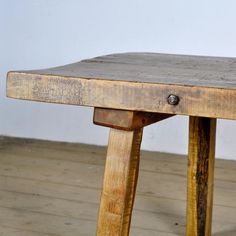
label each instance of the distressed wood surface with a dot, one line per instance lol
(120, 180)
(122, 167)
(206, 86)
(202, 132)
(53, 188)
(216, 72)
(126, 120)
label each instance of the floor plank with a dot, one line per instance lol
(51, 188)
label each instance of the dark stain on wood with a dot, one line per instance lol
(202, 173)
(202, 132)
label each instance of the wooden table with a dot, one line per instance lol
(129, 91)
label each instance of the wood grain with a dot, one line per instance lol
(202, 133)
(124, 95)
(47, 184)
(126, 120)
(122, 167)
(218, 72)
(141, 83)
(206, 86)
(120, 180)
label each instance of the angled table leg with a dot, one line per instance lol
(120, 180)
(122, 166)
(202, 132)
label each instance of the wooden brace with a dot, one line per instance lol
(126, 120)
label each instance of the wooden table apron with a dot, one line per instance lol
(130, 91)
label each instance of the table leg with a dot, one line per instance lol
(122, 165)
(202, 133)
(120, 180)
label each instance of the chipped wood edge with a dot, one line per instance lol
(125, 95)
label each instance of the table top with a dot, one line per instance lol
(205, 86)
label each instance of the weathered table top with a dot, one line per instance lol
(206, 86)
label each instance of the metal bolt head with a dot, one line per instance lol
(173, 99)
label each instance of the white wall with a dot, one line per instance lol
(38, 34)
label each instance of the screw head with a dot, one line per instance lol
(173, 99)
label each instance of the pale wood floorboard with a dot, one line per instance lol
(50, 188)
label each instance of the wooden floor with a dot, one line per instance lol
(49, 188)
